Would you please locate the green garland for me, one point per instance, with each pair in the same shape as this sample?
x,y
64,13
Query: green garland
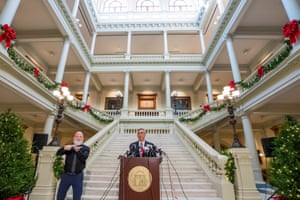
x,y
268,67
30,69
229,166
43,80
201,114
246,85
91,112
58,166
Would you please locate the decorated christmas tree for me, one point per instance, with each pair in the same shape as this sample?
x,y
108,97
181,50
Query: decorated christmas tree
x,y
16,166
285,165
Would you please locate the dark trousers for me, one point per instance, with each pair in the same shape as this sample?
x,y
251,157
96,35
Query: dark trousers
x,y
67,180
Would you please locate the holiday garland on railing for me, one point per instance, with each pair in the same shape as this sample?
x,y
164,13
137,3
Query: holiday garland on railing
x,y
229,166
91,111
31,70
8,35
58,166
264,69
291,33
205,109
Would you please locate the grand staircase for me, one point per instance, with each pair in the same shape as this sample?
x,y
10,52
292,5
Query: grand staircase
x,y
181,177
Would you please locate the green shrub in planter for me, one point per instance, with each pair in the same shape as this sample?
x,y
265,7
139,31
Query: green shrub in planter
x,y
16,167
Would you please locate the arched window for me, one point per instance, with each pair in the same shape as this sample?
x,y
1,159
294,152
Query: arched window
x,y
147,5
115,6
180,5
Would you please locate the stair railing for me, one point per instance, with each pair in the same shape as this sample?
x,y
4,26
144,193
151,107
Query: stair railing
x,y
212,162
100,139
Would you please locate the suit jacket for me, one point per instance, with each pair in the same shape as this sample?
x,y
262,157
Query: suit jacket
x,y
150,149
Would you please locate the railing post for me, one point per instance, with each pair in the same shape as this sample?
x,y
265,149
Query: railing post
x,y
46,183
245,188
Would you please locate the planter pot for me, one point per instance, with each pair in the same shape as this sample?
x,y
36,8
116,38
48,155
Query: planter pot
x,y
20,197
278,198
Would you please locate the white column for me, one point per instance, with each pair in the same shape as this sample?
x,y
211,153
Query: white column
x,y
233,60
292,9
202,43
126,94
8,12
86,87
209,89
249,139
168,93
166,50
75,8
49,126
216,139
93,43
220,6
128,51
63,61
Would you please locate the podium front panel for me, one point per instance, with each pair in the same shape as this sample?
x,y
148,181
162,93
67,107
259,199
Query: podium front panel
x,y
139,179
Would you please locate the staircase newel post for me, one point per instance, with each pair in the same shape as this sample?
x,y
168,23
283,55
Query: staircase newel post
x,y
45,187
227,191
245,187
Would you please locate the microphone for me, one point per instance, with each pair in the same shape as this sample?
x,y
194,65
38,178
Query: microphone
x,y
125,154
132,150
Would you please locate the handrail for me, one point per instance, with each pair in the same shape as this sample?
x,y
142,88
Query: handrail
x,y
212,162
100,139
210,156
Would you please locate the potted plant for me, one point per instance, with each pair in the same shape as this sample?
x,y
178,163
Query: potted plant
x,y
285,165
16,166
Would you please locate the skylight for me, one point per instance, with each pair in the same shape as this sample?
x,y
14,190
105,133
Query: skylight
x,y
131,11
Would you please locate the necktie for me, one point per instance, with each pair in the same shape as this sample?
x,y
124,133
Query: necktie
x,y
73,166
141,150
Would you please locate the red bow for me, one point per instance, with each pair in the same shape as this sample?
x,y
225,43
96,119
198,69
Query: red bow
x,y
291,30
206,108
36,72
8,35
260,71
86,108
64,84
231,84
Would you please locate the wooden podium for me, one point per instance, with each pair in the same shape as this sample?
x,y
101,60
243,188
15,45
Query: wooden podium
x,y
139,178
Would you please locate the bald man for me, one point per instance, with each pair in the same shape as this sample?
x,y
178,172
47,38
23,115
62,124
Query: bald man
x,y
76,155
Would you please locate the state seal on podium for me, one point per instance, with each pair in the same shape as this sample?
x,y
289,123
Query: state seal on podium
x,y
139,179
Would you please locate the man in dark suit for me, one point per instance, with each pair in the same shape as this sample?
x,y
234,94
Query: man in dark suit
x,y
142,147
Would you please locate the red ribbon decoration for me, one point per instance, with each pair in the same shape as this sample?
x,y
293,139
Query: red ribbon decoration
x,y
260,71
231,84
36,72
206,108
8,35
291,30
86,108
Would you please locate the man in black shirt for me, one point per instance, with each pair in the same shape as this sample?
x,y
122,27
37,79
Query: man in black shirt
x,y
76,155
